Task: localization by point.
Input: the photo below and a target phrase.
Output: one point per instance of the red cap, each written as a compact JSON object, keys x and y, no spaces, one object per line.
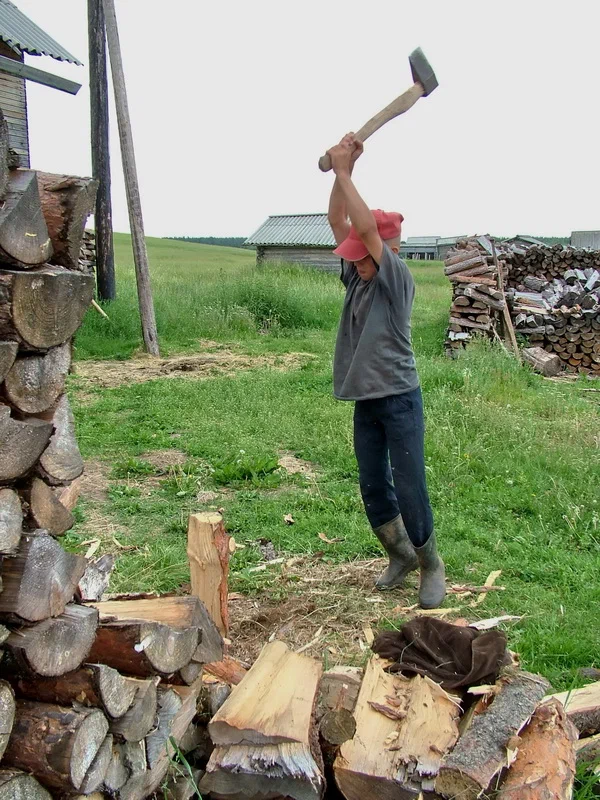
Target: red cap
{"x":388,"y":224}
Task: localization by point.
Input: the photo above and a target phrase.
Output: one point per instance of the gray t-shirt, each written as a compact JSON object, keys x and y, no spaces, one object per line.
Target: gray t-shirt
{"x":373,"y":353}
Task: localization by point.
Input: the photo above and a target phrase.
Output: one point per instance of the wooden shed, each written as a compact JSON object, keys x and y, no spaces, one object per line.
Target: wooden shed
{"x":586,"y":239}
{"x":305,"y":239}
{"x":19,"y":35}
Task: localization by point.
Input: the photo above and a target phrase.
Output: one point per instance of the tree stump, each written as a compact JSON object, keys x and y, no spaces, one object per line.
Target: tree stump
{"x":36,"y":381}
{"x":21,"y":444}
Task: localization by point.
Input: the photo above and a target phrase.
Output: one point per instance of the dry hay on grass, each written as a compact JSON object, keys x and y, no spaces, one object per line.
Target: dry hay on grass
{"x":296,"y":466}
{"x":164,"y":460}
{"x":94,"y":480}
{"x":111,"y":374}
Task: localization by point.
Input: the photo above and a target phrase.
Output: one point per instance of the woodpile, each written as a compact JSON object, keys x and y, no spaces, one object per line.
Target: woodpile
{"x":552,"y":295}
{"x":87,"y":253}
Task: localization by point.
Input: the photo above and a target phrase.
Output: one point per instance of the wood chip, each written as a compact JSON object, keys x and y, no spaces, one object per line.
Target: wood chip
{"x":288,"y":519}
{"x":492,"y":622}
{"x":489,"y":582}
{"x":387,"y":711}
{"x":323,"y":537}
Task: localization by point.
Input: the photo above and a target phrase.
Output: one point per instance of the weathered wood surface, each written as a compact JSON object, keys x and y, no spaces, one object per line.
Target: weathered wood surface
{"x":169,"y":705}
{"x":11,"y":521}
{"x":4,"y":144}
{"x":67,"y":202}
{"x":39,"y":580}
{"x":61,"y":461}
{"x":583,"y":707}
{"x":43,"y":308}
{"x":8,"y":353}
{"x":45,"y":509}
{"x":93,"y":685}
{"x":21,"y":444}
{"x":18,"y":785}
{"x":56,"y":744}
{"x":274,"y":702}
{"x":69,"y":495}
{"x":127,"y":769}
{"x":96,"y":577}
{"x":36,"y":381}
{"x":545,"y":363}
{"x":24,"y":239}
{"x":545,"y":761}
{"x":56,"y":645}
{"x":140,"y":717}
{"x":208,"y":553}
{"x":480,"y":754}
{"x":228,"y":670}
{"x":7,"y":714}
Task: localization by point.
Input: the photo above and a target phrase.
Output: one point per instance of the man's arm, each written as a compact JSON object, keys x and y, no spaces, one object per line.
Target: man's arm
{"x":337,"y":213}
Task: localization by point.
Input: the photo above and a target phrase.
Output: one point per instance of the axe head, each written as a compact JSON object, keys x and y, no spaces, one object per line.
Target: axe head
{"x":422,"y":72}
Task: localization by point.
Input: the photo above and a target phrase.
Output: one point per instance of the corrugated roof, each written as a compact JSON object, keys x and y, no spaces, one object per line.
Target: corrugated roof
{"x":287,"y":230}
{"x":19,"y":32}
{"x":428,"y":241}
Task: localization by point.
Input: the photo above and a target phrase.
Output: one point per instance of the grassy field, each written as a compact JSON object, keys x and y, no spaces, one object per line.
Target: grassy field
{"x":512,"y":460}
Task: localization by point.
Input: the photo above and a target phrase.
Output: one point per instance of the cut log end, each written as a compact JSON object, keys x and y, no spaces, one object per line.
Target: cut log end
{"x":17,"y":785}
{"x":35,"y":382}
{"x":11,"y":521}
{"x":46,"y":510}
{"x":21,"y":444}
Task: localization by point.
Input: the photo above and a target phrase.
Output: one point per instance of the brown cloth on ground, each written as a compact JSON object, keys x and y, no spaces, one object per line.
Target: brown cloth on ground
{"x":451,"y":655}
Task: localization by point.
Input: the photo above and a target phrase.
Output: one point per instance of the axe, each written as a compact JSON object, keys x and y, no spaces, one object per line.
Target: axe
{"x":424,"y":83}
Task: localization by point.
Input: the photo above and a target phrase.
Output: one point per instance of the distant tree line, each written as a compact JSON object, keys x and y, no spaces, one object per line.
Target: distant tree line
{"x":221,"y":241}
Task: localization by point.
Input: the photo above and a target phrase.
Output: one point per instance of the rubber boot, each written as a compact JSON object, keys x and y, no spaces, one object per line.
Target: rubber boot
{"x":402,"y":556}
{"x":432,"y":589}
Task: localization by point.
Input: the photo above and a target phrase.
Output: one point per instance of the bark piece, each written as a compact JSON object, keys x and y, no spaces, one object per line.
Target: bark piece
{"x":21,"y":444}
{"x":480,"y":753}
{"x":56,"y":645}
{"x":208,"y":553}
{"x":583,"y":707}
{"x":43,"y":308}
{"x":11,"y":521}
{"x":17,"y":785}
{"x":61,"y":461}
{"x":94,"y":685}
{"x":40,"y":580}
{"x":8,"y":353}
{"x":46,"y":510}
{"x":58,"y":745}
{"x":67,"y":202}
{"x":96,"y":578}
{"x":545,"y":763}
{"x":69,"y":495}
{"x":7,"y":714}
{"x":24,"y":239}
{"x":36,"y":381}
{"x":228,"y":670}
{"x":140,"y":718}
{"x":274,"y":702}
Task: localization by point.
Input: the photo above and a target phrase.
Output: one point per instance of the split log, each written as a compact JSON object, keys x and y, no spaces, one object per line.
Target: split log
{"x":43,"y":308}
{"x":17,"y":785}
{"x":143,"y":647}
{"x":69,"y":495}
{"x":541,"y":361}
{"x":61,"y":461}
{"x":94,"y":777}
{"x":94,"y":685}
{"x":274,"y":702}
{"x":96,"y":578}
{"x":480,"y":753}
{"x":588,"y":750}
{"x":467,"y":323}
{"x":24,"y":239}
{"x":181,"y":785}
{"x":7,"y":714}
{"x":67,"y":202}
{"x":11,"y":521}
{"x":40,"y":580}
{"x":8,"y":353}
{"x":460,"y":256}
{"x":45,"y":509}
{"x":169,"y":705}
{"x":208,"y":553}
{"x":127,"y":768}
{"x":56,"y":645}
{"x":229,"y":670}
{"x":476,"y":261}
{"x":35,"y":382}
{"x":140,"y":718}
{"x":548,"y":741}
{"x":403,"y":729}
{"x":498,"y":305}
{"x":21,"y":444}
{"x":582,"y":707}
{"x":58,"y":745}
{"x":457,"y":278}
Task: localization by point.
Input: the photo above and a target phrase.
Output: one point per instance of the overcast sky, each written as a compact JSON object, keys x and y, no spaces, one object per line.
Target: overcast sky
{"x":232,"y":104}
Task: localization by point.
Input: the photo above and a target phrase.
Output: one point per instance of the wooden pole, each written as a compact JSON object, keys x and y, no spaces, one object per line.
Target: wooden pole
{"x":105,"y":257}
{"x":140,"y":255}
{"x":505,"y":310}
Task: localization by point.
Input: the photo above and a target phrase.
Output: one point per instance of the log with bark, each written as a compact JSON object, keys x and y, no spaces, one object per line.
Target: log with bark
{"x":11,"y":521}
{"x":229,"y":670}
{"x":40,"y":580}
{"x":43,"y":308}
{"x":18,"y":785}
{"x":21,"y":444}
{"x":24,"y":239}
{"x":140,"y":717}
{"x":583,"y":707}
{"x":45,"y":510}
{"x":61,"y":461}
{"x":67,"y":202}
{"x":58,"y":745}
{"x":208,"y":553}
{"x":338,"y":693}
{"x":8,"y":353}
{"x":93,"y":685}
{"x":545,"y":763}
{"x":56,"y":645}
{"x":481,"y":753}
{"x":36,"y":381}
{"x":7,"y":714}
{"x":545,"y":363}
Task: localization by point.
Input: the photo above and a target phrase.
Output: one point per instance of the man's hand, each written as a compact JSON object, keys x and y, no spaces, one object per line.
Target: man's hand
{"x":345,"y":154}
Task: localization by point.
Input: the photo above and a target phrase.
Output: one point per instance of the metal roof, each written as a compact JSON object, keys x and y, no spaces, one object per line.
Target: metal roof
{"x":287,"y":230}
{"x":424,"y":241}
{"x":20,"y":33}
{"x":529,"y":239}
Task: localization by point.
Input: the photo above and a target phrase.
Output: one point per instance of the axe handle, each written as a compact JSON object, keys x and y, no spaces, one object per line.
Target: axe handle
{"x":395,"y":108}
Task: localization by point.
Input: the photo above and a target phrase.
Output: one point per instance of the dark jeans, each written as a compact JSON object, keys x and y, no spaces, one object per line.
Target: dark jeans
{"x":388,"y":442}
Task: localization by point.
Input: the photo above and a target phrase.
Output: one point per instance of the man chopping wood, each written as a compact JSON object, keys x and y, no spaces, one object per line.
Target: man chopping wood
{"x":374,"y":365}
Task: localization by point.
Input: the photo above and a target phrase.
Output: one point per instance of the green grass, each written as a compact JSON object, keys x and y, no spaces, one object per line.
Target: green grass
{"x":512,"y":459}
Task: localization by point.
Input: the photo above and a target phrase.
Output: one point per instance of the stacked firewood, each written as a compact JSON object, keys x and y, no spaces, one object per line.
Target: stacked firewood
{"x":549,"y":262}
{"x":87,"y":253}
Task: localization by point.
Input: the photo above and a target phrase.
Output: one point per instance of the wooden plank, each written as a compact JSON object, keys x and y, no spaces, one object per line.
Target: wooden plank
{"x":38,"y":75}
{"x":582,"y":707}
{"x":208,"y":553}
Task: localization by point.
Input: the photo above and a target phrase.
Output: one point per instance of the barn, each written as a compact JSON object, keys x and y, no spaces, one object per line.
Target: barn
{"x":420,"y":247}
{"x":19,"y":35}
{"x":588,"y":239}
{"x":305,"y":239}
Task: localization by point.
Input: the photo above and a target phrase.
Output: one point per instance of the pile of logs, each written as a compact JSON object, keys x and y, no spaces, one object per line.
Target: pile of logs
{"x":548,"y":262}
{"x":87,"y":253}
